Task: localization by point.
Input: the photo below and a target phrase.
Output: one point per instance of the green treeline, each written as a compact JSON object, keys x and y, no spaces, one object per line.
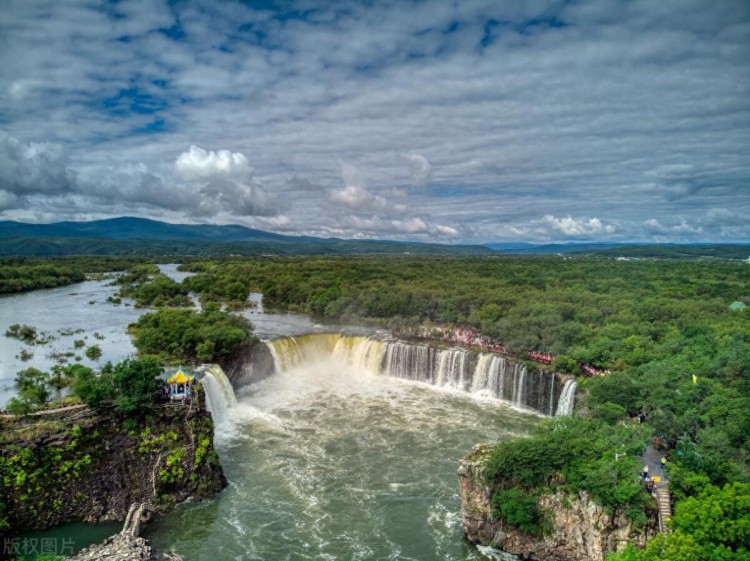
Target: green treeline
{"x":712,"y":526}
{"x":131,"y":386}
{"x":25,"y":278}
{"x":149,"y":287}
{"x":186,"y":336}
{"x":24,"y":274}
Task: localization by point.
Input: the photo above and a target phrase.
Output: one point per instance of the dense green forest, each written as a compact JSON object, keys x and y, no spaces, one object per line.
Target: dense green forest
{"x":21,"y":274}
{"x":186,"y":336}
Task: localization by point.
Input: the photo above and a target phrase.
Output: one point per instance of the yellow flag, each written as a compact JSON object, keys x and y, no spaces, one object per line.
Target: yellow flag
{"x":695,"y":379}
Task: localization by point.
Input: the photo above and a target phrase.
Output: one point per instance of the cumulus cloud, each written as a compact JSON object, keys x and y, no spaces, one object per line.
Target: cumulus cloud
{"x":199,"y":163}
{"x":355,"y":196}
{"x":205,"y":183}
{"x":31,"y":168}
{"x":578,"y":227}
{"x":726,"y":217}
{"x":359,"y":198}
{"x":224,"y":183}
{"x":415,"y":227}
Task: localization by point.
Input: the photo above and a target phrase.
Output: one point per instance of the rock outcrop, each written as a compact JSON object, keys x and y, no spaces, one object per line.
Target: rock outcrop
{"x":581,"y":529}
{"x":93,"y":467}
{"x":125,"y":546}
{"x":120,"y":547}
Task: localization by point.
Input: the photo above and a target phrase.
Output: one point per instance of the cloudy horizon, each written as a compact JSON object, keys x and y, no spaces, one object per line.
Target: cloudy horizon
{"x":452,"y":122}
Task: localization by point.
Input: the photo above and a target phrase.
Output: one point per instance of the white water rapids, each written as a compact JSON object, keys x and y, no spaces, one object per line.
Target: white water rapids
{"x":337,"y":457}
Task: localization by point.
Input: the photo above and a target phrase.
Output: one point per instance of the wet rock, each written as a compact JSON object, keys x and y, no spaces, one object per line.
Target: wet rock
{"x":121,"y":547}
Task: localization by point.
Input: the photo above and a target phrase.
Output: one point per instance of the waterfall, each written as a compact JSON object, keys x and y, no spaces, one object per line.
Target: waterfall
{"x":482,"y":374}
{"x":219,"y":393}
{"x":364,"y":354}
{"x":451,"y":369}
{"x":567,"y":398}
{"x":519,"y":377}
{"x":551,"y":410}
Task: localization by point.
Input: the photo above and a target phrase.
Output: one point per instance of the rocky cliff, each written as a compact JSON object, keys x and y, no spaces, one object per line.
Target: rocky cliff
{"x":581,"y":529}
{"x":92,"y":466}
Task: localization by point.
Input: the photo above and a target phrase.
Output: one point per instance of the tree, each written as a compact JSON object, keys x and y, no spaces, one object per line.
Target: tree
{"x":21,"y":404}
{"x":565,"y":364}
{"x":92,"y":388}
{"x":33,"y":385}
{"x":608,"y":412}
{"x":518,"y":509}
{"x":619,"y":389}
{"x":137,"y":383}
{"x":714,"y":526}
{"x":717,"y":516}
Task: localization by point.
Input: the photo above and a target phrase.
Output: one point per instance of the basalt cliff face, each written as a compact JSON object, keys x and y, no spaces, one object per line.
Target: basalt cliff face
{"x":581,"y":529}
{"x":92,"y":466}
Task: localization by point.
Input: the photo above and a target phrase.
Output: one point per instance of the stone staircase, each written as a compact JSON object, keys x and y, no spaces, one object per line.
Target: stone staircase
{"x":663,"y":499}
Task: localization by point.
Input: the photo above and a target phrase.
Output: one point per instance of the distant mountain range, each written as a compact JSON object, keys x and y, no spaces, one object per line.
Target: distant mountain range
{"x":129,"y":236}
{"x":628,"y":249}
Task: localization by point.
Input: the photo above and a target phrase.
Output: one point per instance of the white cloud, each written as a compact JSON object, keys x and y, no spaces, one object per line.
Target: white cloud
{"x":654,"y":226}
{"x":356,"y":197}
{"x":200,"y":163}
{"x":29,"y":168}
{"x":578,"y":227}
{"x":726,"y":217}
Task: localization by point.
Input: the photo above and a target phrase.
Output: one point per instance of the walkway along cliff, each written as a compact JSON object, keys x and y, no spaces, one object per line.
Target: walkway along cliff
{"x":83,"y":465}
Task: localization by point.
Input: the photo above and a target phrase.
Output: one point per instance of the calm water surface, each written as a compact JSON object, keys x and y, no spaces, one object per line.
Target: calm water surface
{"x":81,"y":306}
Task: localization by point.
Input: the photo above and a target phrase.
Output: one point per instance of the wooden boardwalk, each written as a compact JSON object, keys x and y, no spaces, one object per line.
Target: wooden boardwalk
{"x":664,"y":500}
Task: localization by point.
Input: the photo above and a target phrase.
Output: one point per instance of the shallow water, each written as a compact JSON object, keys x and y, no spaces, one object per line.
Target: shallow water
{"x":67,"y":539}
{"x":325,"y":462}
{"x":81,"y":306}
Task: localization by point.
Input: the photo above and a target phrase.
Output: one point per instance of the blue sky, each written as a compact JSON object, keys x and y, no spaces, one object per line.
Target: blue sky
{"x":470,"y":121}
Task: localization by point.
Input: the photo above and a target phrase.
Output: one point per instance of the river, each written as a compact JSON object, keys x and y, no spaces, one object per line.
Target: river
{"x":324,"y":460}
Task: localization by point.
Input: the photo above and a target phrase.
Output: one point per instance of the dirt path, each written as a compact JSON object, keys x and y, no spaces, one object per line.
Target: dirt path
{"x":45,"y":412}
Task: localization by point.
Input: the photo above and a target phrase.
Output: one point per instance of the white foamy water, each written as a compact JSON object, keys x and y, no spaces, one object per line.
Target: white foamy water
{"x":328,"y":460}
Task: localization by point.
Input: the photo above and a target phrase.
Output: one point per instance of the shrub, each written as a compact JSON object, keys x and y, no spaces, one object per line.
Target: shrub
{"x":610,"y":413}
{"x":518,"y":509}
{"x":94,"y":352}
{"x":137,"y":383}
{"x":93,"y":388}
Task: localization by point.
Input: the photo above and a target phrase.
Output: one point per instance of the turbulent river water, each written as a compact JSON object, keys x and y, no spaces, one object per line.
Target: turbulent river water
{"x":325,"y":459}
{"x":328,"y":461}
